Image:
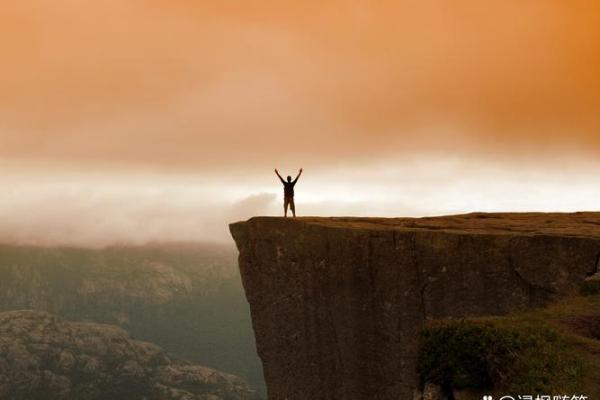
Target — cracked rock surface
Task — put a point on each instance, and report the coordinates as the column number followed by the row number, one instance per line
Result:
column 337, row 303
column 45, row 357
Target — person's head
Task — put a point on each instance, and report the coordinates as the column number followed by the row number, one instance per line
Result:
column 289, row 178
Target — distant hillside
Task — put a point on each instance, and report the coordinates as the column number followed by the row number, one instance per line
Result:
column 187, row 298
column 45, row 357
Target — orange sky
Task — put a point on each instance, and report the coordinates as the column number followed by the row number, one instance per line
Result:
column 198, row 84
column 229, row 89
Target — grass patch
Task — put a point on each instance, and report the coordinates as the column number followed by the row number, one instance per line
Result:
column 554, row 350
column 590, row 288
column 488, row 354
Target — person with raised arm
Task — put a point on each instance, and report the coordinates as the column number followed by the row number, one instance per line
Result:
column 288, row 192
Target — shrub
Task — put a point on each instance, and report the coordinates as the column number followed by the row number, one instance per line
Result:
column 590, row 288
column 496, row 355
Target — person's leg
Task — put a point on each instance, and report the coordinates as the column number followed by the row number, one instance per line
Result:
column 293, row 206
column 285, row 206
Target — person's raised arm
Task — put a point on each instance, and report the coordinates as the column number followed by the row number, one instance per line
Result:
column 298, row 176
column 280, row 178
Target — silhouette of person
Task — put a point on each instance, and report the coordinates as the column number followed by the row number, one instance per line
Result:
column 288, row 192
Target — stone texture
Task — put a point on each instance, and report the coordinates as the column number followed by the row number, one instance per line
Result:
column 337, row 303
column 432, row 392
column 45, row 357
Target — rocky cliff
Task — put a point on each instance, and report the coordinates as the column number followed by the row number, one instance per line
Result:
column 338, row 303
column 45, row 357
column 185, row 297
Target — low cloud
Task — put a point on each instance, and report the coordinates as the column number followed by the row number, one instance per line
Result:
column 256, row 204
column 100, row 209
column 75, row 212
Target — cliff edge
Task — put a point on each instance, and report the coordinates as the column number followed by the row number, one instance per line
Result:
column 338, row 303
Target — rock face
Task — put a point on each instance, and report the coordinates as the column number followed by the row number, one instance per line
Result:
column 337, row 303
column 44, row 357
column 185, row 297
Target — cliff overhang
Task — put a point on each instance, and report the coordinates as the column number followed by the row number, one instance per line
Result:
column 337, row 303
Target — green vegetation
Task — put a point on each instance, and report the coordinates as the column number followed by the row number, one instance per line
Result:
column 546, row 351
column 487, row 354
column 186, row 298
column 590, row 288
